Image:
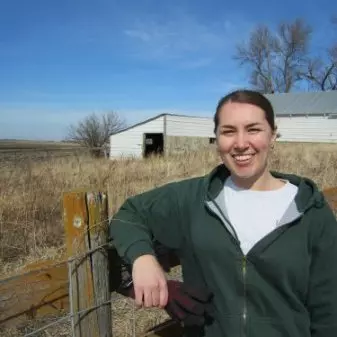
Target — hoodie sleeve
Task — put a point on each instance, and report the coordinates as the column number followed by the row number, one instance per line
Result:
column 322, row 299
column 153, row 215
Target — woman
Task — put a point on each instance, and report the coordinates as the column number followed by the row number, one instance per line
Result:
column 262, row 242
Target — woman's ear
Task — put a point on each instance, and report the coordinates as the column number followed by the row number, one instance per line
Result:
column 275, row 135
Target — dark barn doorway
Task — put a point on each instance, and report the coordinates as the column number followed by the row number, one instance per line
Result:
column 153, row 144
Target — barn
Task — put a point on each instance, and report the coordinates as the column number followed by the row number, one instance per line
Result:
column 300, row 117
column 165, row 133
column 306, row 116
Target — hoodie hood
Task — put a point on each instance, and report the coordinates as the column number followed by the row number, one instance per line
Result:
column 308, row 193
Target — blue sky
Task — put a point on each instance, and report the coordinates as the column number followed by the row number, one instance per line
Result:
column 61, row 60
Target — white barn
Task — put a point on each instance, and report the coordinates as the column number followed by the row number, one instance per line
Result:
column 306, row 116
column 300, row 117
column 162, row 133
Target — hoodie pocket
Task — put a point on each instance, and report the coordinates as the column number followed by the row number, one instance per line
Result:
column 265, row 327
column 227, row 326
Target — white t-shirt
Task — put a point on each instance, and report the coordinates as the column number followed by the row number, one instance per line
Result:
column 254, row 214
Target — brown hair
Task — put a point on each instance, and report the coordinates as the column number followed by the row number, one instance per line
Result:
column 249, row 97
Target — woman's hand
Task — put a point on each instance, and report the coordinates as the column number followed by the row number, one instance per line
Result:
column 149, row 282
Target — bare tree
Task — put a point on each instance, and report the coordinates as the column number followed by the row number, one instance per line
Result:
column 275, row 59
column 258, row 55
column 323, row 75
column 94, row 131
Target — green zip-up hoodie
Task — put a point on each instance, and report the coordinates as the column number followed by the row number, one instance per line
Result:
column 286, row 286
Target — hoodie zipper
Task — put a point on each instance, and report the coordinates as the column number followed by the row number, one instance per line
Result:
column 244, row 311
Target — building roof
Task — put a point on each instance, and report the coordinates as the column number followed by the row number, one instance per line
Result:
column 156, row 117
column 304, row 103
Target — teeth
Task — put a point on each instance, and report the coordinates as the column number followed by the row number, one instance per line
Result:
column 243, row 157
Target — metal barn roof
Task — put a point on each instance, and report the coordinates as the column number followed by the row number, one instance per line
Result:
column 155, row 117
column 304, row 103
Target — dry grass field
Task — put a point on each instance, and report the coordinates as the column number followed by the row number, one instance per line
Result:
column 32, row 144
column 31, row 190
column 19, row 150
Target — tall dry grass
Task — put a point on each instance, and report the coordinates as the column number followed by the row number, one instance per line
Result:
column 31, row 192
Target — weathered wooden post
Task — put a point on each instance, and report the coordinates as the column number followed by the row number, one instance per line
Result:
column 85, row 222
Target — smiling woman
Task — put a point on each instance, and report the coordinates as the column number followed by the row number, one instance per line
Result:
column 246, row 131
column 255, row 245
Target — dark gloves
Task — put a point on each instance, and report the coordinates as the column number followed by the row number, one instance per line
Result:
column 189, row 305
column 186, row 304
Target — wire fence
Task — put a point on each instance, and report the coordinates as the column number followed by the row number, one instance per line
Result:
column 69, row 261
column 72, row 314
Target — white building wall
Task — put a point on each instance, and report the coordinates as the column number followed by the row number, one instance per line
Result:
column 307, row 129
column 189, row 126
column 129, row 143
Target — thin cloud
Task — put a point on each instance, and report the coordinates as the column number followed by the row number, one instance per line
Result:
column 181, row 36
column 133, row 33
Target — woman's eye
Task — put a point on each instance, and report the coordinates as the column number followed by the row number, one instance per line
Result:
column 253, row 130
column 227, row 132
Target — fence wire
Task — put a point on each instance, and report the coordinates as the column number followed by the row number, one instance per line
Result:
column 64, row 318
column 69, row 261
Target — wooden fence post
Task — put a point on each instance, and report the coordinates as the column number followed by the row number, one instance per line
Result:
column 85, row 221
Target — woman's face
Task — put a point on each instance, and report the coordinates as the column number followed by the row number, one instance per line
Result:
column 244, row 139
